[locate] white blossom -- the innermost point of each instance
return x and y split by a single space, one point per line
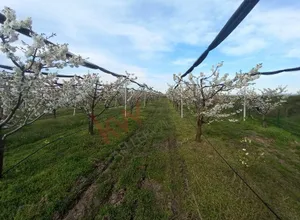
88 92
209 96
25 93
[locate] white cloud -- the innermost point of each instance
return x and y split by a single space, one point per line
293 53
187 62
188 23
252 45
109 62
117 32
280 23
149 29
265 29
184 61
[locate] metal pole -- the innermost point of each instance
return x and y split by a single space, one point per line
244 115
125 97
144 98
181 102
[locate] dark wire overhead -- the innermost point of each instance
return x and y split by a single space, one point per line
232 23
87 64
278 71
44 73
68 76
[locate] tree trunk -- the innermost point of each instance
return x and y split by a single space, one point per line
287 112
2 144
91 125
278 117
264 123
131 110
74 111
199 129
144 99
54 113
91 121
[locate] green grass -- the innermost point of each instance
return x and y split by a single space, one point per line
38 187
275 175
286 117
143 172
155 171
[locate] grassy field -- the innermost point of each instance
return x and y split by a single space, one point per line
47 181
155 171
273 169
286 117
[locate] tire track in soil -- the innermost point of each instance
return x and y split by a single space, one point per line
176 201
84 191
85 201
140 183
142 152
173 204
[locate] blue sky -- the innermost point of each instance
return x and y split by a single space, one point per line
157 38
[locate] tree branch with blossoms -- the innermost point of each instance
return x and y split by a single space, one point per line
267 100
209 96
26 94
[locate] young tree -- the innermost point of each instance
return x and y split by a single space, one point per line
268 100
88 92
119 100
55 91
245 96
147 96
134 97
125 90
25 94
174 96
208 96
